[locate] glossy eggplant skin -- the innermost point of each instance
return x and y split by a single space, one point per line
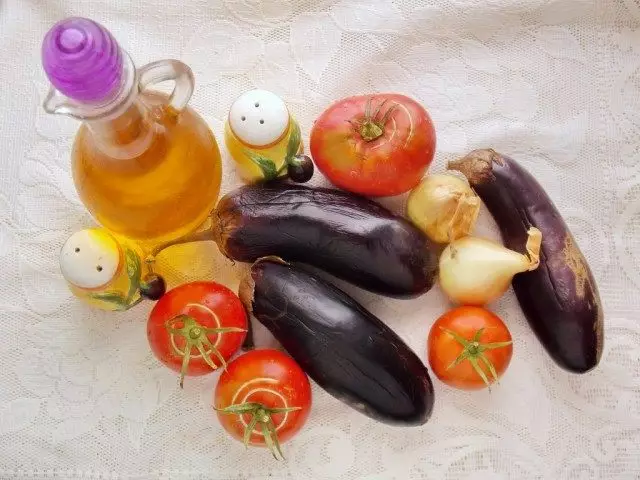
560 298
344 348
351 237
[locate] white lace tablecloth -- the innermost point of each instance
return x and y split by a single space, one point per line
553 83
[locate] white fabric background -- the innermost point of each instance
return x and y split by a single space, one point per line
554 83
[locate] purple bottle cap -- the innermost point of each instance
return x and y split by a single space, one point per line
82 60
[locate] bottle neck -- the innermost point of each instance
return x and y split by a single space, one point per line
125 134
121 125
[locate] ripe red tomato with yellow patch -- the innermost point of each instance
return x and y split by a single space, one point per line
196 327
469 348
375 145
263 398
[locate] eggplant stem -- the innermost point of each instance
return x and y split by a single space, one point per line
207 234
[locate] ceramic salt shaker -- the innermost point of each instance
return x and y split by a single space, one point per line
264 139
106 272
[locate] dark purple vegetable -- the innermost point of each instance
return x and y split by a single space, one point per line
300 169
346 235
152 286
560 298
344 348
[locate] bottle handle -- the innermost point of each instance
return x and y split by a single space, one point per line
163 70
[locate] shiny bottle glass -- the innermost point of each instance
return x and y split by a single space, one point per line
145 165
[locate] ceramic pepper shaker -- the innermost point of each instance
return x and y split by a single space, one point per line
264 139
107 272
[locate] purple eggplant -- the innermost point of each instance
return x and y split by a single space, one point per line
560 298
348 236
344 348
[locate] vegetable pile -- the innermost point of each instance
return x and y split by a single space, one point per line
375 145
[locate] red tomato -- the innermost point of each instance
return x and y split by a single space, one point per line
206 316
469 348
263 398
374 145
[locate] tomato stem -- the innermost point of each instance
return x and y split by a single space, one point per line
367 108
195 336
473 351
387 114
372 128
382 103
260 414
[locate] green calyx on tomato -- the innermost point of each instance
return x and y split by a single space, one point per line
473 351
259 415
195 336
370 127
261 393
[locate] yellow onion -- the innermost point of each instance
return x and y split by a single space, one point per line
476 271
444 207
